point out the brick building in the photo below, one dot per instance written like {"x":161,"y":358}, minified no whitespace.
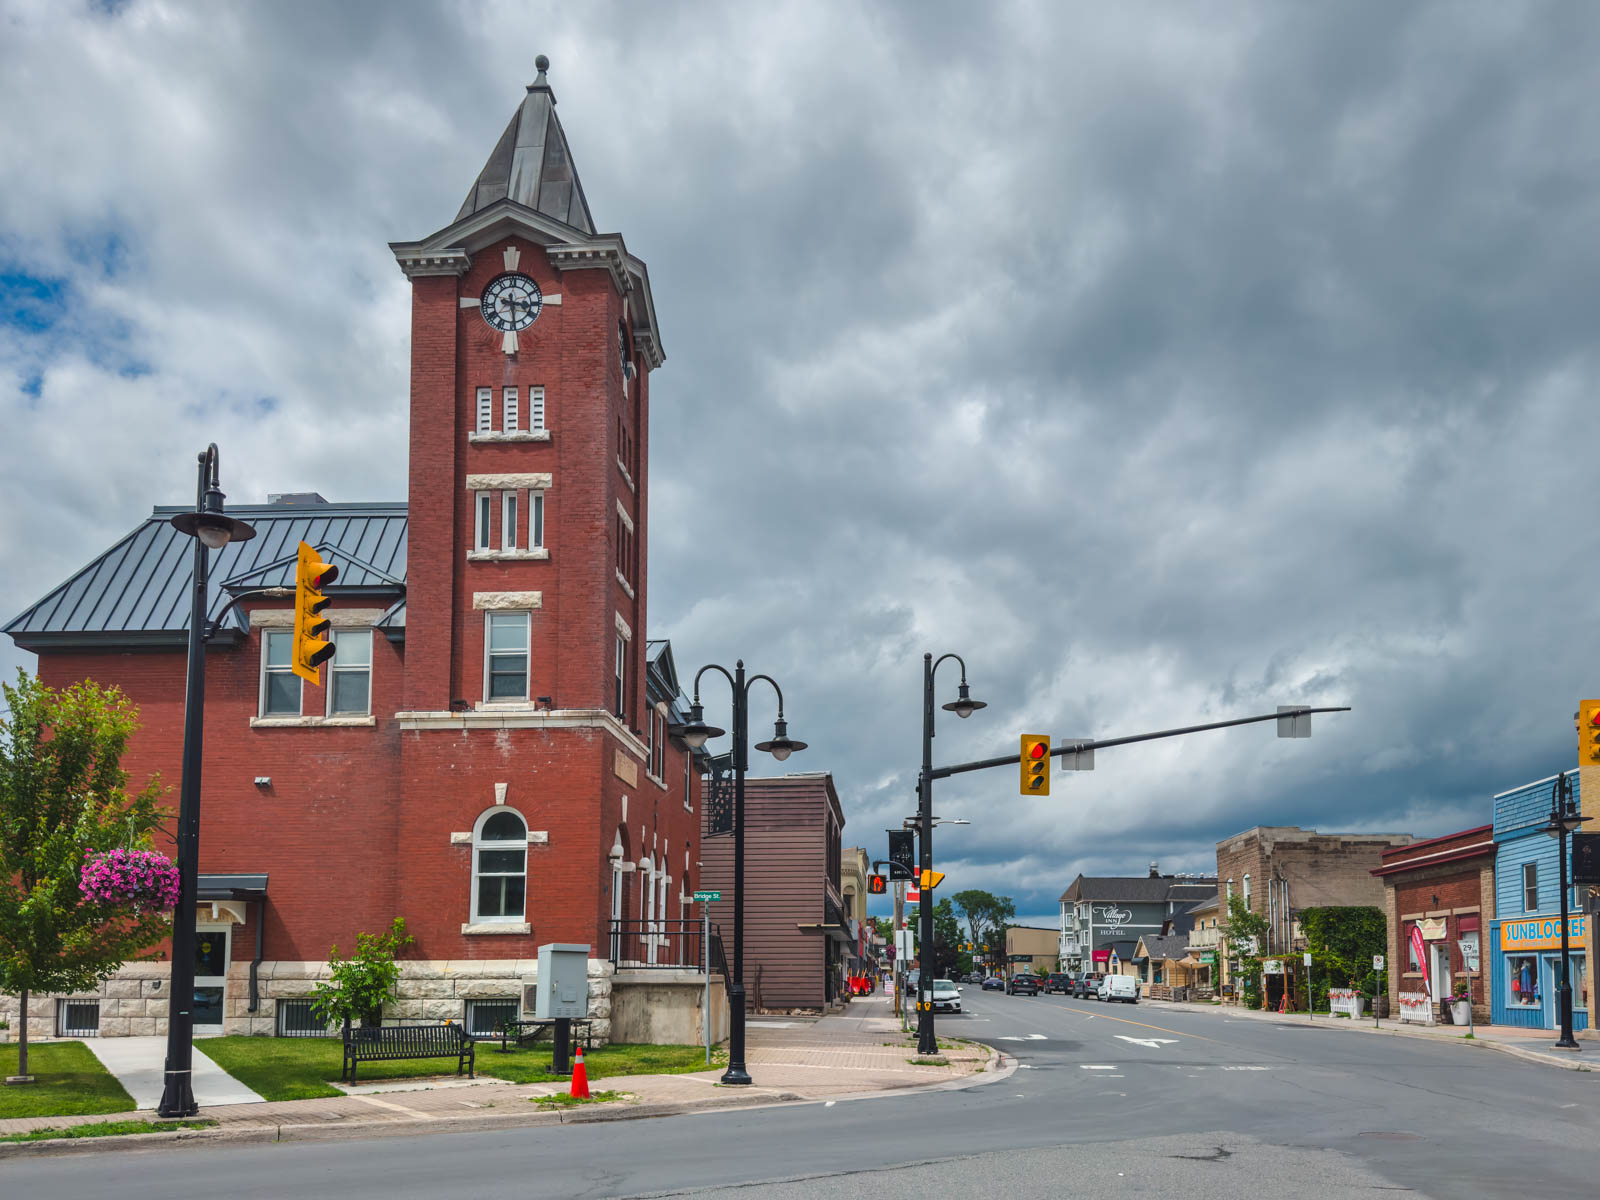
{"x":1280,"y":869}
{"x":487,"y":756}
{"x":1444,"y":885}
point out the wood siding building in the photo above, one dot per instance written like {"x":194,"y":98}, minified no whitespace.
{"x":795,"y":936}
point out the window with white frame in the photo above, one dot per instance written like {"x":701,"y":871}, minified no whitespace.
{"x":499,"y":867}
{"x":688,"y":774}
{"x":1245,"y":891}
{"x":350,"y":680}
{"x":485,"y":409}
{"x":508,"y":520}
{"x":280,"y":686}
{"x":650,"y":741}
{"x":622,"y":677}
{"x":1530,"y":887}
{"x":505,"y":671}
{"x":659,"y":724}
{"x":535,"y":520}
{"x":509,"y":410}
{"x":536,"y":409}
{"x":484,"y":510}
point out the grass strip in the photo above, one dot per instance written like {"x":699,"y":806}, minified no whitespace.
{"x":70,"y":1082}
{"x":554,"y":1102}
{"x":105,"y":1129}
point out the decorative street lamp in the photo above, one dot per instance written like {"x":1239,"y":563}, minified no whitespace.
{"x":1564,"y":819}
{"x":212,"y":529}
{"x":695,"y":733}
{"x":963,"y":706}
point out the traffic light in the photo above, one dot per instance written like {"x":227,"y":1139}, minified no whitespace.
{"x":1035,"y":765}
{"x":931,"y":879}
{"x":876,"y":885}
{"x":311,"y":649}
{"x":1589,"y":731}
{"x":902,"y":850}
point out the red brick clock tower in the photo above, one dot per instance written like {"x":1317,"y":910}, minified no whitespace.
{"x":525,"y":711}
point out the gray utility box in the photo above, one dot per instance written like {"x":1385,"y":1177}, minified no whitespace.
{"x":562,"y":989}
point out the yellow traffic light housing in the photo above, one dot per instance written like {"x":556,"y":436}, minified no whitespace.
{"x":930,"y":879}
{"x":1035,"y":760}
{"x":311,"y":648}
{"x":1589,"y":731}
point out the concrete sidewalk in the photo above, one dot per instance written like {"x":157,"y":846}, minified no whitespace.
{"x":1535,"y":1045}
{"x":856,"y":1054}
{"x":139,"y":1063}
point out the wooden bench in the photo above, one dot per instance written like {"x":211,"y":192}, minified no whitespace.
{"x":387,"y":1042}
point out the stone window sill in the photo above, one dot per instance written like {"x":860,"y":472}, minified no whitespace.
{"x":312,"y":722}
{"x":626,"y":478}
{"x":625,"y":585}
{"x":516,"y":435}
{"x":537,"y":554}
{"x":521,"y":927}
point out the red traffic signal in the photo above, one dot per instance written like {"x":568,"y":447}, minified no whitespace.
{"x":877,"y":885}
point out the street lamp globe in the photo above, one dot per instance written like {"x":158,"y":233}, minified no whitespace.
{"x":695,"y":732}
{"x":781,"y":745}
{"x":964,"y":705}
{"x":214,"y":529}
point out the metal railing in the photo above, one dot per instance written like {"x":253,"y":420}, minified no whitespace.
{"x":657,"y":944}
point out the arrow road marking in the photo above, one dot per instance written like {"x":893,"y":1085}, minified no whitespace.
{"x":1087,"y":1067}
{"x":1153,"y":1043}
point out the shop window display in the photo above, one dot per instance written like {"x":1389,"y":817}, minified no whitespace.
{"x":1522,"y":973}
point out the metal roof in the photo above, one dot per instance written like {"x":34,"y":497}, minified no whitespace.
{"x":138,"y":590}
{"x":532,"y":165}
{"x":1138,"y":889}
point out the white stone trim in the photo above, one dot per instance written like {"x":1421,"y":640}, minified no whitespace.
{"x":507,"y":601}
{"x":516,"y":435}
{"x":626,"y":519}
{"x":603,"y":254}
{"x":524,"y":716}
{"x":511,"y":256}
{"x":623,"y":627}
{"x":537,"y":554}
{"x":463,"y":838}
{"x":626,"y":478}
{"x":470,"y":301}
{"x":626,"y":586}
{"x":341,"y":618}
{"x":472,"y":930}
{"x":416,"y":263}
{"x":553,"y":299}
{"x":537,"y":481}
{"x":312,"y":722}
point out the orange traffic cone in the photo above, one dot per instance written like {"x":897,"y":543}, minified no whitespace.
{"x":580,"y":1077}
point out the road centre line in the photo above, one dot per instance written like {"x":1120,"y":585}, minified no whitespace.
{"x":1160,"y":1028}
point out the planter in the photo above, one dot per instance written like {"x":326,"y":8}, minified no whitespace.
{"x":1461,"y":1012}
{"x":138,"y":879}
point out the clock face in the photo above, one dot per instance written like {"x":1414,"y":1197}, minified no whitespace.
{"x":511,"y":302}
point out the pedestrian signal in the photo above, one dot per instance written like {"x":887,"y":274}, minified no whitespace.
{"x":876,"y":885}
{"x":1035,"y":760}
{"x":311,"y":647}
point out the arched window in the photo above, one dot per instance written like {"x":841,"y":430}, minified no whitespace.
{"x":499,"y":867}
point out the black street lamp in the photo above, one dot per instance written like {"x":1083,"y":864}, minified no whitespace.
{"x":212,"y":529}
{"x":1564,"y":819}
{"x":695,"y":733}
{"x":963,"y":706}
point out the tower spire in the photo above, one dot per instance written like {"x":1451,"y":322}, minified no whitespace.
{"x":541,"y":84}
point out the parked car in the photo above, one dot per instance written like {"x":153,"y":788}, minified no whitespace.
{"x":994,"y":984}
{"x":1083,"y":987}
{"x":1118,"y":987}
{"x":1058,"y":981}
{"x":1021,"y":984}
{"x":946,"y":996}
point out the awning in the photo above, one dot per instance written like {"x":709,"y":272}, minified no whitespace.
{"x":231,"y":887}
{"x":837,"y":932}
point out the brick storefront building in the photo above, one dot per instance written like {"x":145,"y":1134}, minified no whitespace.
{"x":1445,"y":885}
{"x":488,"y":756}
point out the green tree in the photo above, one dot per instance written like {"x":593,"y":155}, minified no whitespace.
{"x":362,"y":982}
{"x":987,"y":916}
{"x":63,"y":797}
{"x":1343,"y":941}
{"x":1246,"y":932}
{"x":946,"y":955}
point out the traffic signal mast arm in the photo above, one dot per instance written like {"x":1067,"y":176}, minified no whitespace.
{"x":1079,"y":745}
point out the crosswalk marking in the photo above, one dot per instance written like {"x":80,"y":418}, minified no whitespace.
{"x":1088,"y":1067}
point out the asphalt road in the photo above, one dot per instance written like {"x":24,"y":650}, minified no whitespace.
{"x":1114,"y":1099}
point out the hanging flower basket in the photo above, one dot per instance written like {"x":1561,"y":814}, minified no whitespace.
{"x":140,"y":879}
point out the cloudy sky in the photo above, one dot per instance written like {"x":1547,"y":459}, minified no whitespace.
{"x":1169,"y":362}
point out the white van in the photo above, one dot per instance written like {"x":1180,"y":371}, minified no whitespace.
{"x":1118,"y":987}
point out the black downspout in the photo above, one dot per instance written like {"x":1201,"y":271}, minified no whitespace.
{"x":255,"y":963}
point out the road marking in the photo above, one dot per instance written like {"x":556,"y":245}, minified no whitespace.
{"x":1024,"y":1066}
{"x":1153,"y":1043}
{"x":1248,"y":1068}
{"x":1087,"y":1067}
{"x":1158,"y":1028}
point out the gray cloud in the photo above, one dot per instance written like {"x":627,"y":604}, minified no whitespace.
{"x":1168,"y":363}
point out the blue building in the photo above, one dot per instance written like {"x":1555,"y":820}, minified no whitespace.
{"x":1525,"y":936}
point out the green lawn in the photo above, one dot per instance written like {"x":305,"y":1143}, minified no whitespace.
{"x":106,"y":1129}
{"x":304,"y":1068}
{"x":71,"y":1082}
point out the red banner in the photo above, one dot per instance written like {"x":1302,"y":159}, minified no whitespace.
{"x":1420,"y":949}
{"x":1101,"y":956}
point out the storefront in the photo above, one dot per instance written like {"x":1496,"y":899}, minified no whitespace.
{"x":1527,"y":970}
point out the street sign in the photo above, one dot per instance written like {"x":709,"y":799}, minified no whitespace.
{"x":1377,"y":962}
{"x":1308,"y":958}
{"x":701,"y":897}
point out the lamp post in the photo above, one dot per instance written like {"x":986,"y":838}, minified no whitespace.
{"x":695,"y":733}
{"x":1564,"y":819}
{"x":212,"y":529}
{"x":963,"y":706}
